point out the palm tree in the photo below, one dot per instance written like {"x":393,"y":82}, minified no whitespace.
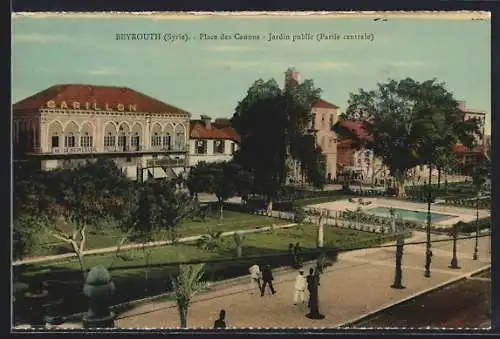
{"x":211,"y":241}
{"x":187,"y":284}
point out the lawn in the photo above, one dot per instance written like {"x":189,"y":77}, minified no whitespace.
{"x":109,"y":235}
{"x":64,"y":279}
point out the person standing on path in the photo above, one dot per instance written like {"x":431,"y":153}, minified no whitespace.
{"x":255,"y":276}
{"x":267,"y":279}
{"x":221,"y":322}
{"x":310,"y":282}
{"x":300,"y":288}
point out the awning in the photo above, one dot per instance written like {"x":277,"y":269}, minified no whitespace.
{"x":177,"y":170}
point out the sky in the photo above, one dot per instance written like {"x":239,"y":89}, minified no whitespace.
{"x":211,"y":76}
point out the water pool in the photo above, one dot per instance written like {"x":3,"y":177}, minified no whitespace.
{"x":409,"y":214}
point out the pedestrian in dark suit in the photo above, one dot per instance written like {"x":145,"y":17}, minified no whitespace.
{"x":310,"y":283}
{"x":221,"y":322}
{"x":267,"y":279}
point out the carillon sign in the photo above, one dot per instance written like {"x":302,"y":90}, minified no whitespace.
{"x":91,"y":105}
{"x":74,"y":150}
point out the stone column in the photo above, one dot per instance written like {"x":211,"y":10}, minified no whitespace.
{"x":44,"y":137}
{"x":99,"y":135}
{"x":146,"y":142}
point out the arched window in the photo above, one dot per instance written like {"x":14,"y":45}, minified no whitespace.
{"x":167,"y":141}
{"x":109,"y":140}
{"x":122,"y":138}
{"x":135,"y":140}
{"x":69,"y":140}
{"x":86,"y":140}
{"x":156,"y":140}
{"x":110,"y":134}
{"x":54,"y":141}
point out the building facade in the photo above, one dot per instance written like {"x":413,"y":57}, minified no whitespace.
{"x":323,"y":116}
{"x":360,"y":163}
{"x":211,"y":141}
{"x":66,"y":125}
{"x":367,"y":166}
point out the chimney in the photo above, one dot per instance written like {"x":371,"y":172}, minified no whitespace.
{"x":207,"y":121}
{"x":291,"y":76}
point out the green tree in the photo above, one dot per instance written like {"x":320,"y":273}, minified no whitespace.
{"x":224,"y":179}
{"x":200,"y":179}
{"x":86,"y":195}
{"x":26,"y":232}
{"x":159,"y":207}
{"x":271,"y":123}
{"x":185,"y":286}
{"x":409,"y":123}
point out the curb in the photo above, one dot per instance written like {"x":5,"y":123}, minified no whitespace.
{"x":352,"y":322}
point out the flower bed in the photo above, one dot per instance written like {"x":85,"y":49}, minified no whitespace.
{"x":483,"y":203}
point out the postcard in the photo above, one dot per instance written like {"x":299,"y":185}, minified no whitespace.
{"x":251,"y":170}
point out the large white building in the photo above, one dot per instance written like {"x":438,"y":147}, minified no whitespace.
{"x":211,"y":141}
{"x":66,"y":125}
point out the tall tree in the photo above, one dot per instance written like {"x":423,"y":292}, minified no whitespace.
{"x":270,"y":122}
{"x":160,"y":206}
{"x":410,"y":123}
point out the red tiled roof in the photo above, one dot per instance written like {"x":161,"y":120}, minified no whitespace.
{"x":464,"y":149}
{"x":101,"y":95}
{"x":357,"y":127}
{"x":320,"y":103}
{"x":199,"y":131}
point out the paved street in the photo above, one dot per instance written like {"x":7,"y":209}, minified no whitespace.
{"x":359,"y":283}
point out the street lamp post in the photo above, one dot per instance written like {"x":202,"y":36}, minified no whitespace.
{"x":475,"y":255}
{"x":454,"y":260}
{"x":428,"y":253}
{"x":398,"y":276}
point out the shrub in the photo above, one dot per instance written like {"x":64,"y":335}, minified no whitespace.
{"x":26,"y":234}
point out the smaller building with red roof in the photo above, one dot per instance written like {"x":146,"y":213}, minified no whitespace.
{"x":211,"y":141}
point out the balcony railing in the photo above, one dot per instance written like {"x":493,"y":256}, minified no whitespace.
{"x":166,"y":163}
{"x":117,"y":149}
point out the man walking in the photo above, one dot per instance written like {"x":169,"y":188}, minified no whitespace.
{"x":300,"y":288}
{"x":255,"y":276}
{"x":267,"y":279}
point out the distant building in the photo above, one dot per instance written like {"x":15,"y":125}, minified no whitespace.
{"x":358,"y":163}
{"x":367,"y":166}
{"x":471,"y":156}
{"x":324,"y":116}
{"x":211,"y":141}
{"x":66,"y":125}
